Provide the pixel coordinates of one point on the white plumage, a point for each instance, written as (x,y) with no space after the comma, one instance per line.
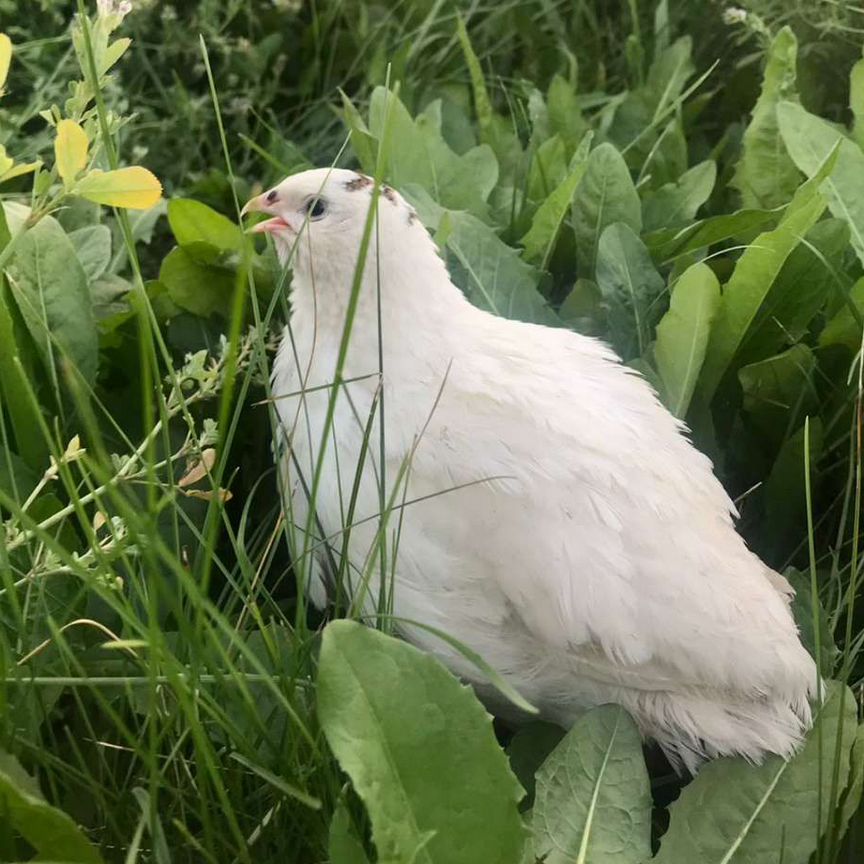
(556,519)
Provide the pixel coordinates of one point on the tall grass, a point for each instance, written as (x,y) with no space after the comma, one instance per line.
(173,715)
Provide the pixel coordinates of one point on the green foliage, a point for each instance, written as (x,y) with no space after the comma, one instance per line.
(606,195)
(539,242)
(736,812)
(765,174)
(194,222)
(682,335)
(196,286)
(49,831)
(844,328)
(593,800)
(50,289)
(809,140)
(779,386)
(422,157)
(492,275)
(580,165)
(419,750)
(344,846)
(754,274)
(630,287)
(676,203)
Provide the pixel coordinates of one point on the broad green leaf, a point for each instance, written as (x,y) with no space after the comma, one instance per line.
(682,335)
(667,160)
(851,799)
(581,305)
(677,203)
(765,175)
(133,188)
(809,140)
(605,194)
(109,295)
(50,288)
(785,499)
(844,328)
(737,813)
(491,273)
(753,276)
(343,844)
(93,247)
(13,378)
(495,131)
(199,288)
(631,288)
(527,751)
(640,114)
(539,242)
(14,390)
(5,59)
(457,117)
(363,143)
(548,169)
(593,799)
(194,222)
(856,101)
(667,76)
(48,830)
(70,151)
(802,602)
(671,243)
(802,288)
(419,749)
(565,115)
(418,154)
(661,25)
(778,389)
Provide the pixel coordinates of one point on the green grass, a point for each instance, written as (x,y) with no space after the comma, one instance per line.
(160,666)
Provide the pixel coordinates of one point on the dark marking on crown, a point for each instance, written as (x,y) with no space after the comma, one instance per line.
(389,194)
(412,215)
(361,181)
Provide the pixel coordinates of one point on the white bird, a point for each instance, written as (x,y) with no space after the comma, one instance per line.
(553,516)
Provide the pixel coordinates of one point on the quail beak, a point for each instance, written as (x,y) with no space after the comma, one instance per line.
(260,204)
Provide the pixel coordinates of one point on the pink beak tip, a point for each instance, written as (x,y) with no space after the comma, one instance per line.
(269,226)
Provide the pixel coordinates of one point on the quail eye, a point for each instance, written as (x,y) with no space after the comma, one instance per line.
(315,208)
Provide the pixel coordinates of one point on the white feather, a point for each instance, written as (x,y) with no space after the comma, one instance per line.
(585,548)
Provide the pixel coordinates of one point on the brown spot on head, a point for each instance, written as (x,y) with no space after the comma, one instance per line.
(389,194)
(412,215)
(361,181)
